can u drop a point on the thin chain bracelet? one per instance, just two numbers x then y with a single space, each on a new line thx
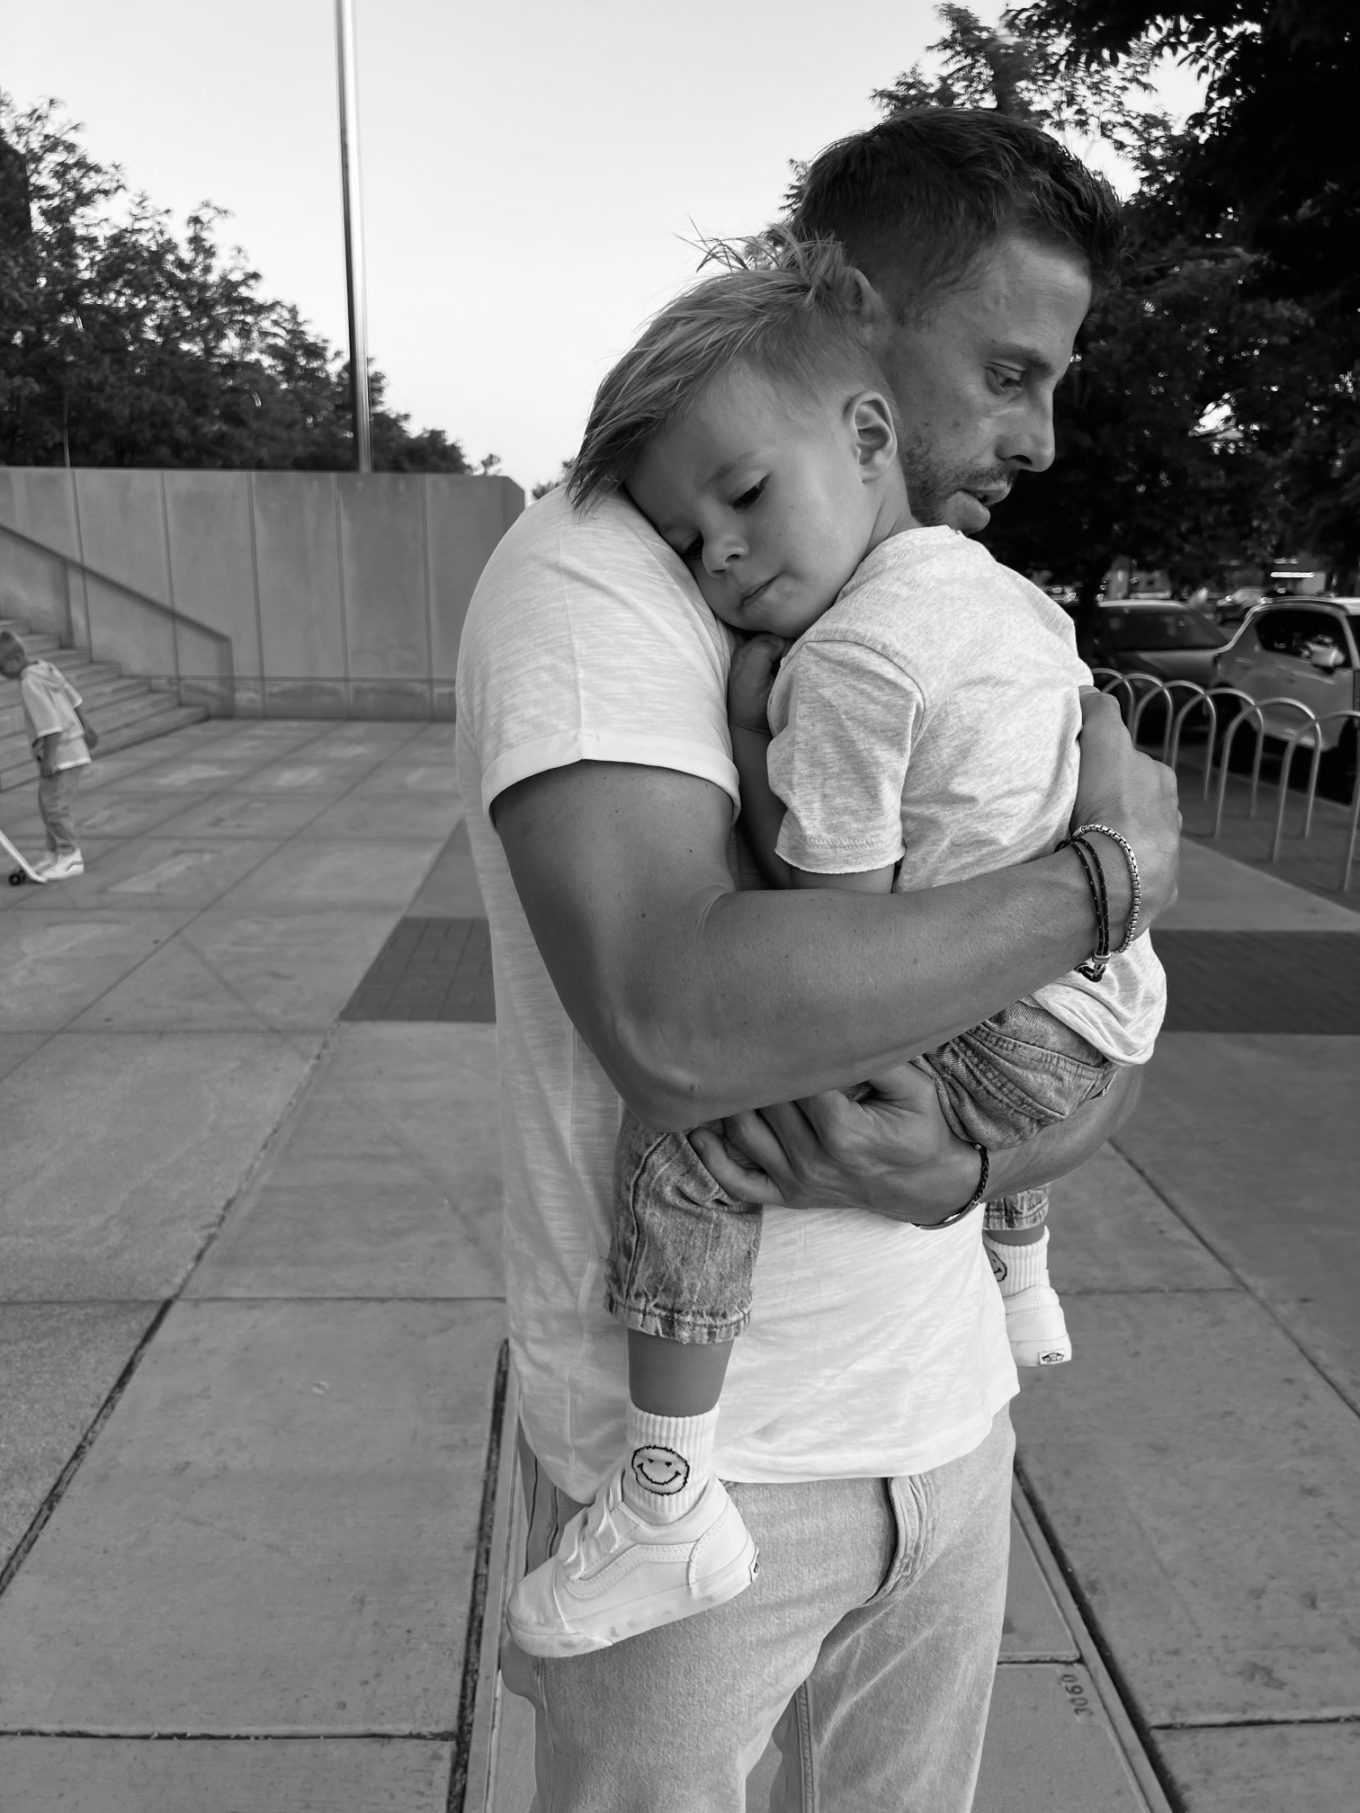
1135 880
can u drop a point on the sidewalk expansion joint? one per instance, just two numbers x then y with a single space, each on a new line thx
58 1491
481 1574
1135 1736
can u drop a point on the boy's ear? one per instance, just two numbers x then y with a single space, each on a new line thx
870 419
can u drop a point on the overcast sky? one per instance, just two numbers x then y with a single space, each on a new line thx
531 171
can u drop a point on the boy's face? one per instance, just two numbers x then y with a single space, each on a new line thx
767 504
975 380
11 665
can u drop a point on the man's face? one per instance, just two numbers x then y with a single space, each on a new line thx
11 666
975 380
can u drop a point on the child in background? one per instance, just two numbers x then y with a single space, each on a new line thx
63 739
924 730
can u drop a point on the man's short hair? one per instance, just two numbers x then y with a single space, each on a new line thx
788 310
917 199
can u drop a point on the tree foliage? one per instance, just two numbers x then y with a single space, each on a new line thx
124 343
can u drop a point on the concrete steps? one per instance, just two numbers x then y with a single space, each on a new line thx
124 708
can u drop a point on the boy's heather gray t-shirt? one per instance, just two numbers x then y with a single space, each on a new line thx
930 718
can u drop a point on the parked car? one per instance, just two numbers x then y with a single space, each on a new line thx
1158 636
1307 650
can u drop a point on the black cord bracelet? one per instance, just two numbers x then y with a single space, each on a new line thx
978 1197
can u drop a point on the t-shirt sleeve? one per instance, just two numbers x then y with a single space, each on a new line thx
848 716
48 711
586 641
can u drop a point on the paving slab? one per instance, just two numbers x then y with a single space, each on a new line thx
301 771
1110 1230
1219 894
1266 1769
1251 1140
226 970
385 1182
1201 1481
54 965
360 872
17 1047
267 815
58 1363
437 775
203 1775
382 815
156 871
122 1151
1049 1745
450 890
274 1532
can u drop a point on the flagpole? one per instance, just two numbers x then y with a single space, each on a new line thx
354 233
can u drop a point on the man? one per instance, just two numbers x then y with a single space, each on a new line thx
600 791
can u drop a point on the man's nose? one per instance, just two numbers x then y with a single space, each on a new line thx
1030 443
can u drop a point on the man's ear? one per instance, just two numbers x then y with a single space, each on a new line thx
870 305
870 418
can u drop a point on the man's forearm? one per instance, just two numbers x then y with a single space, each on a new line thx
1064 1147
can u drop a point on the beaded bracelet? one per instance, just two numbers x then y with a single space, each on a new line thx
979 1196
1094 967
1135 881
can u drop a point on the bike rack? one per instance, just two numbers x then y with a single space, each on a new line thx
1137 691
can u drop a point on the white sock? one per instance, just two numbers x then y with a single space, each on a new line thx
669 1462
1016 1268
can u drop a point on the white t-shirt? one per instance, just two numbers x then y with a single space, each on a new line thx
874 1348
49 701
930 717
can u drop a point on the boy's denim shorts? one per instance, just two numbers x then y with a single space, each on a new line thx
1022 1070
683 1252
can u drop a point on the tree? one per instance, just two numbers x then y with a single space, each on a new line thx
1269 164
123 343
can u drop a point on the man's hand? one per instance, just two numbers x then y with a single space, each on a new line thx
890 1151
1136 796
755 662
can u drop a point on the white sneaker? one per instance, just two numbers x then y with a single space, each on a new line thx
1036 1327
58 868
615 1574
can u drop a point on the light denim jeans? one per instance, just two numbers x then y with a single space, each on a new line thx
866 1649
56 795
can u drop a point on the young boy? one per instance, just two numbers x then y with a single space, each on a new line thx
925 729
62 738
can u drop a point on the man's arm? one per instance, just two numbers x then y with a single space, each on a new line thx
700 1001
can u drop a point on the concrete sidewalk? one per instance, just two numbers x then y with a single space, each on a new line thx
256 1517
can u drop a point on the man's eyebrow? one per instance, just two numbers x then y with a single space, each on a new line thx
1031 358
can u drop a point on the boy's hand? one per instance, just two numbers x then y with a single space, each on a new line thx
891 1152
755 662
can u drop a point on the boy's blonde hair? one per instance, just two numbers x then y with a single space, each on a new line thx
789 310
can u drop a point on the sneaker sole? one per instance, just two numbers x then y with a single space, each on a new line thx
555 1644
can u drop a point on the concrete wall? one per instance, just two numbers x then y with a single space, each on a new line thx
277 594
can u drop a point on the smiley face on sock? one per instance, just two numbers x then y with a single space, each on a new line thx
659 1469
